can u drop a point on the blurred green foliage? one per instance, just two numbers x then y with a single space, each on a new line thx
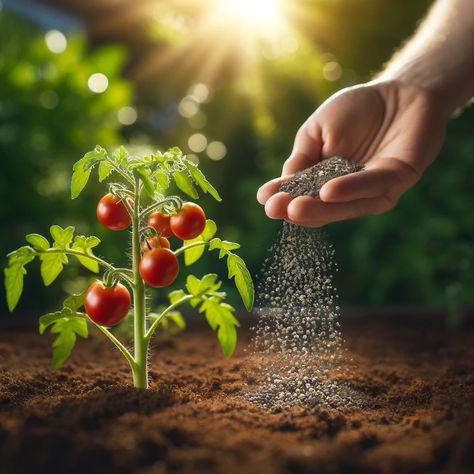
48 119
421 253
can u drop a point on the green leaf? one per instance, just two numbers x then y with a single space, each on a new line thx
194 254
15 273
38 241
177 319
206 284
74 302
79 179
221 318
85 244
176 295
47 319
162 180
223 246
82 169
51 266
62 237
120 155
242 278
201 181
67 329
147 182
105 168
185 184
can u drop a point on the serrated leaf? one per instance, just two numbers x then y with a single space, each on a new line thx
67 328
185 184
242 278
15 272
85 244
74 302
223 246
38 241
79 179
202 182
220 317
162 180
62 237
176 295
194 254
120 155
147 182
47 319
51 266
206 284
105 168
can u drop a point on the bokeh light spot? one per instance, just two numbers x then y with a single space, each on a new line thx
98 82
216 150
127 115
194 158
56 42
200 92
197 142
188 107
332 71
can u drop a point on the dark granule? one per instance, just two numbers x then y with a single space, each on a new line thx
310 181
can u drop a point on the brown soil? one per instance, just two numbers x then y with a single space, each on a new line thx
415 376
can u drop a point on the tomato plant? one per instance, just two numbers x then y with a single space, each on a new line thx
189 222
139 199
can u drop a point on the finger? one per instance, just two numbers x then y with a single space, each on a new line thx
306 149
387 178
311 212
269 189
276 207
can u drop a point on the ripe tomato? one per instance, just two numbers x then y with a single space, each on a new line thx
156 242
189 222
112 213
107 306
161 223
159 267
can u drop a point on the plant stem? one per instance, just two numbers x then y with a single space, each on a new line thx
140 370
118 344
189 246
158 320
172 199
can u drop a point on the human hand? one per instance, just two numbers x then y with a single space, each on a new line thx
395 130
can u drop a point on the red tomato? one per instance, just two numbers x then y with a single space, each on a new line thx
161 223
112 213
189 222
156 242
107 306
159 267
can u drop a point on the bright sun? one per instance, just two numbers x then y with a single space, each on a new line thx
260 13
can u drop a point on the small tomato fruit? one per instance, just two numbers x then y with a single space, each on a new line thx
112 213
156 242
161 223
189 222
159 267
107 306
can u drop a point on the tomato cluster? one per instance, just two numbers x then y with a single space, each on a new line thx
159 266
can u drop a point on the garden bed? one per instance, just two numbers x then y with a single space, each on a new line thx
415 377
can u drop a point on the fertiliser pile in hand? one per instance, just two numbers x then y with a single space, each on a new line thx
298 342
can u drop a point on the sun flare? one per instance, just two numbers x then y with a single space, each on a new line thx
260 13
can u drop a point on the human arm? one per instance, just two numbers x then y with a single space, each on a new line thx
393 124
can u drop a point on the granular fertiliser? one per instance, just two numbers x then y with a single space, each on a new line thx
297 341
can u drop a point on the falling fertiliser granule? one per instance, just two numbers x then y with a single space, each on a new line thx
297 343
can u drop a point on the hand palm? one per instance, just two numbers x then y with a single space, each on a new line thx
389 128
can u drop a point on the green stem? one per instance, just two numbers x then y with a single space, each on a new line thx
105 264
171 307
120 172
118 344
140 370
173 199
189 246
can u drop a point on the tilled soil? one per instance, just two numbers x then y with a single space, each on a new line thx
414 377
